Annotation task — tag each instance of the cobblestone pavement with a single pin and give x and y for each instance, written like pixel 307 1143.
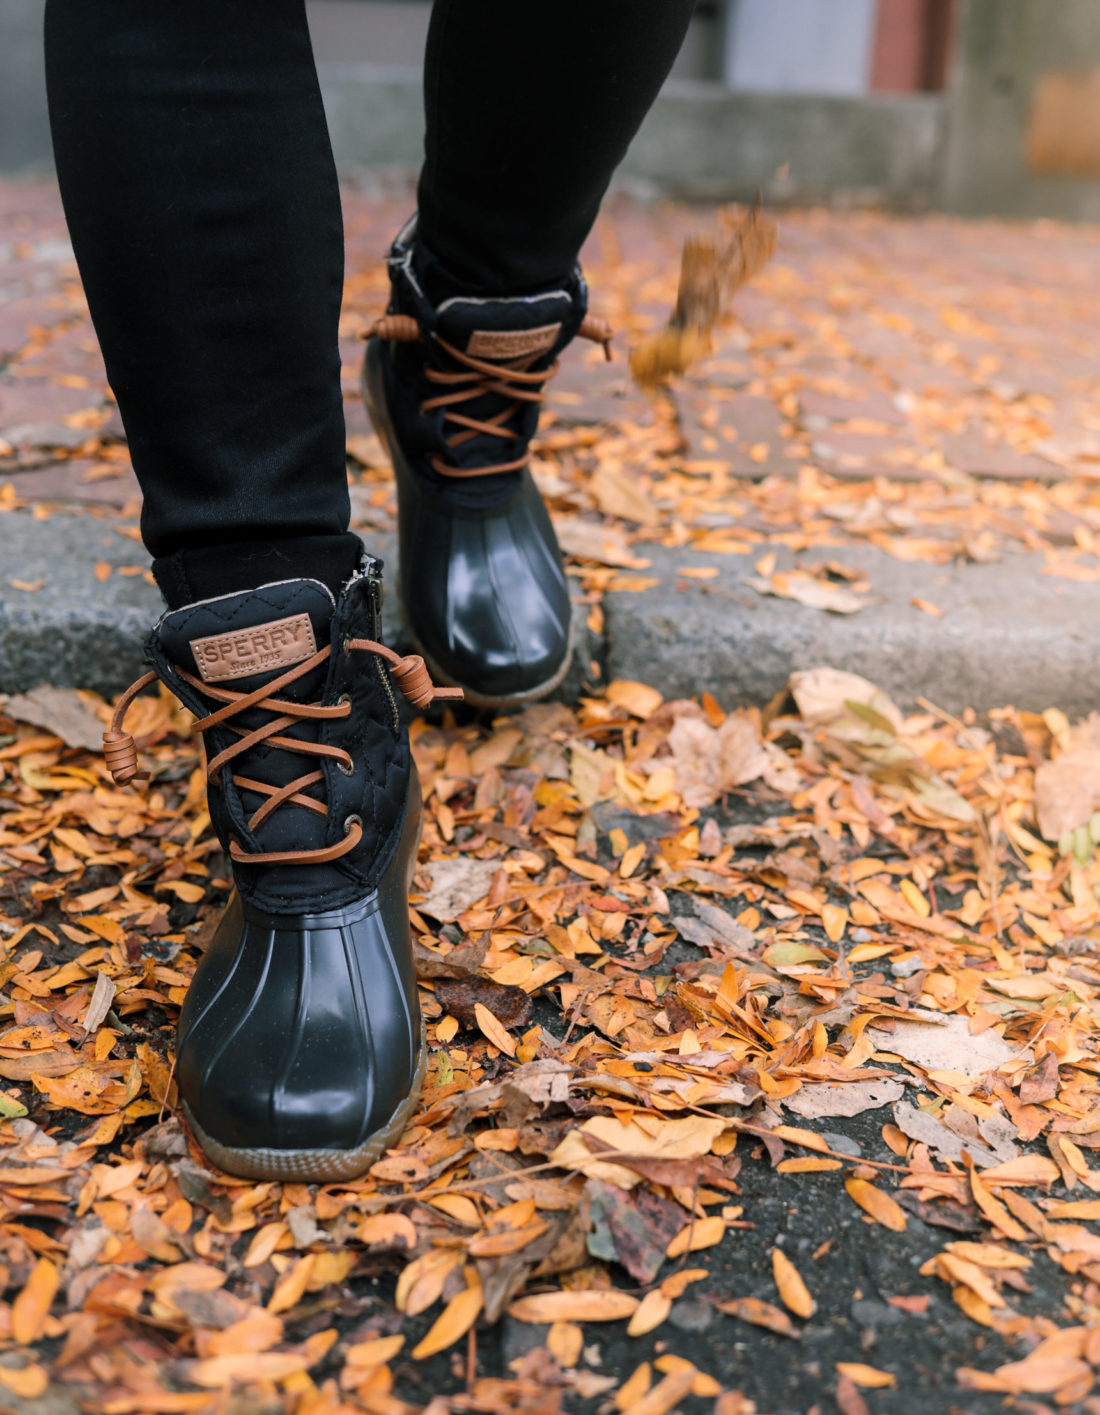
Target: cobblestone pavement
pixel 925 389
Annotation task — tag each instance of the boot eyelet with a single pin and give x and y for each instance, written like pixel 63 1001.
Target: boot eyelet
pixel 343 698
pixel 350 821
pixel 348 770
pixel 345 647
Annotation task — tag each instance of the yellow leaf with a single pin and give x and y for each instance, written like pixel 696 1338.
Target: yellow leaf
pixel 878 1205
pixel 652 1311
pixel 688 1138
pixel 454 1321
pixel 794 1292
pixel 494 1030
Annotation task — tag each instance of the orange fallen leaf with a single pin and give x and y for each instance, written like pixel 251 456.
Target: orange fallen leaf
pixel 456 1319
pixel 28 1382
pixel 759 1314
pixel 291 1287
pixel 31 1308
pixel 869 1376
pixel 701 1233
pixel 666 1394
pixel 491 1028
pixel 794 1292
pixel 875 1203
pixel 596 1304
pixel 651 1312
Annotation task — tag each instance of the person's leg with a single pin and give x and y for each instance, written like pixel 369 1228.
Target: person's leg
pixel 201 196
pixel 200 192
pixel 530 108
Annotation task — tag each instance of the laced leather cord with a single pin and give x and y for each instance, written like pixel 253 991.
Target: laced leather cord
pixel 511 379
pixel 411 673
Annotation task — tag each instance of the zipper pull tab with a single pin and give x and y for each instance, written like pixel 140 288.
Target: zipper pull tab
pixel 374 593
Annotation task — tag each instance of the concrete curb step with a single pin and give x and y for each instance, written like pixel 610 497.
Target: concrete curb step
pixel 1009 633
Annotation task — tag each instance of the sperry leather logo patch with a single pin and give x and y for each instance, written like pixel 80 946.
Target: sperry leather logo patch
pixel 279 644
pixel 512 343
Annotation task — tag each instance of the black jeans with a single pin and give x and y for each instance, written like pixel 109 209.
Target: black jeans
pixel 201 197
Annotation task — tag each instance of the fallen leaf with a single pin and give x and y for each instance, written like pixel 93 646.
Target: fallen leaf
pixel 947 1044
pixel 457 884
pixel 62 711
pixel 456 1319
pixel 877 1204
pixel 651 1312
pixel 869 1376
pixel 759 1314
pixel 585 1305
pixel 794 1292
pixel 32 1305
pixel 491 1028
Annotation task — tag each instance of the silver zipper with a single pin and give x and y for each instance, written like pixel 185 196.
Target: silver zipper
pixel 374 583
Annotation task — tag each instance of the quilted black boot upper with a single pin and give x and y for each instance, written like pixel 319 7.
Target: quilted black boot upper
pixel 454 388
pixel 299 1049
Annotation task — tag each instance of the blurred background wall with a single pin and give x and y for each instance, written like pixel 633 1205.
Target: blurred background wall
pixel 981 106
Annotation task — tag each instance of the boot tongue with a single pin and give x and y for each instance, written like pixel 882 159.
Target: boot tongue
pixel 242 641
pixel 525 331
pixel 523 327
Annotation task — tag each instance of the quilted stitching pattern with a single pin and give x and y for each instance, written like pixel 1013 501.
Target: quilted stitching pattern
pixel 378 787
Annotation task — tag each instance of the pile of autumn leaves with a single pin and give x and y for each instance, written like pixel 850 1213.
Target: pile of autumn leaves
pixel 531 1148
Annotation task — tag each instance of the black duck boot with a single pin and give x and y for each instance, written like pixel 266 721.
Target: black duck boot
pixel 300 1052
pixel 453 389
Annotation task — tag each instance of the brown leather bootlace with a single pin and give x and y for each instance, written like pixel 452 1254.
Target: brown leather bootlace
pixel 411 673
pixel 511 379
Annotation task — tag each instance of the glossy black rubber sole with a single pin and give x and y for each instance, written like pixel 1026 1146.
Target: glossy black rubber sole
pixel 317 1166
pixel 473 695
